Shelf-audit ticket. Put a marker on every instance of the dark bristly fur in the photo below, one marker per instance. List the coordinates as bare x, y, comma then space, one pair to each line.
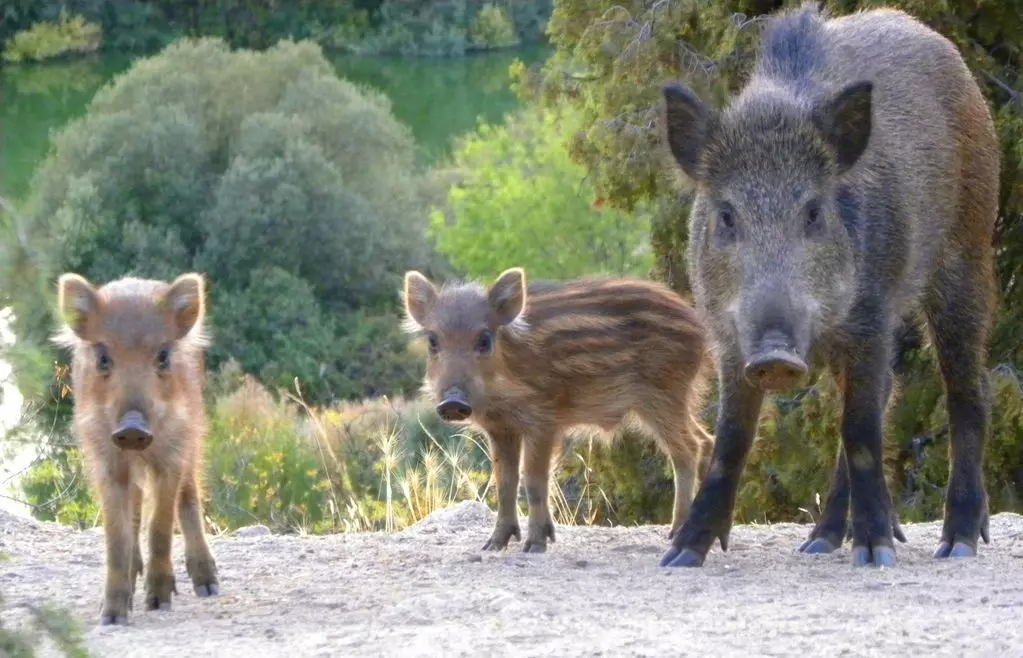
596, 352
851, 186
138, 364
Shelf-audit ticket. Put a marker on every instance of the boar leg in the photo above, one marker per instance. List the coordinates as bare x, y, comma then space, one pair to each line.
958, 314
199, 562
160, 577
710, 515
866, 369
833, 528
116, 494
506, 450
536, 459
136, 511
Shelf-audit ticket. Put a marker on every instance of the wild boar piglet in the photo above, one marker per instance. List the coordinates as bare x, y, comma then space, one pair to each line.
527, 363
137, 376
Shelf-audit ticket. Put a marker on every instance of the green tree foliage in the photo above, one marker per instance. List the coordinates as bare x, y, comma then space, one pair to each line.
492, 29
612, 58
519, 200
45, 40
145, 25
408, 27
293, 191
446, 28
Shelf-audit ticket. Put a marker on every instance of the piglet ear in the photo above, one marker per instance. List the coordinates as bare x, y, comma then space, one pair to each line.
420, 295
78, 302
186, 302
507, 297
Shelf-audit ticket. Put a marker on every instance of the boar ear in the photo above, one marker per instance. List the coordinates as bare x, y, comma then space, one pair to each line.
688, 122
186, 301
845, 122
420, 296
77, 301
507, 297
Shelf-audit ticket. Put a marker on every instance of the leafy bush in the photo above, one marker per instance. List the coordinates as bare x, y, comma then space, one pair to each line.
58, 490
56, 624
70, 35
492, 29
294, 191
518, 199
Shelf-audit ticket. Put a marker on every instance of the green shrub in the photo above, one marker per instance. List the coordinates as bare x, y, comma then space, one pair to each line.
295, 192
56, 624
58, 490
71, 35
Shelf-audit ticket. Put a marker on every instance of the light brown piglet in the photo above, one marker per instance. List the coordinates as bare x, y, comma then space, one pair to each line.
137, 378
526, 367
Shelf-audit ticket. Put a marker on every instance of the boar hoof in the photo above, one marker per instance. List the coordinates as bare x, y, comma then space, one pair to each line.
956, 550
502, 534
881, 556
818, 545
534, 547
686, 557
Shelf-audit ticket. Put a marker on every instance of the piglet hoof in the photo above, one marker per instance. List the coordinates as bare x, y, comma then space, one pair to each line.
686, 557
211, 589
113, 619
956, 550
159, 589
502, 534
204, 576
880, 556
820, 545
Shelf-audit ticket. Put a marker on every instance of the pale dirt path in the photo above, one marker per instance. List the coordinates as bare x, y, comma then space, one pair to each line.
598, 591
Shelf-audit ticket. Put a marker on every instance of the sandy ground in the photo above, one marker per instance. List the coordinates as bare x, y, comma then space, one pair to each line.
597, 592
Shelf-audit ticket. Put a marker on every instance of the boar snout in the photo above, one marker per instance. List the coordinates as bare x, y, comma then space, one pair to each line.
132, 432
455, 406
774, 365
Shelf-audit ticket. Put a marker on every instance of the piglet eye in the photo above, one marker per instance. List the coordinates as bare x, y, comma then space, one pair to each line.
103, 362
163, 359
434, 343
486, 342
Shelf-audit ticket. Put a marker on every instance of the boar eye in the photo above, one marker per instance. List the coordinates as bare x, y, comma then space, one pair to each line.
812, 217
724, 227
486, 342
103, 361
727, 218
163, 361
434, 344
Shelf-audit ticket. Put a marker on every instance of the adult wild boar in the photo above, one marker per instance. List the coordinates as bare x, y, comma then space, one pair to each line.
851, 183
526, 367
137, 377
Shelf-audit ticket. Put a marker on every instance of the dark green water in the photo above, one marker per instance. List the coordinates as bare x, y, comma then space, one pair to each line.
437, 99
